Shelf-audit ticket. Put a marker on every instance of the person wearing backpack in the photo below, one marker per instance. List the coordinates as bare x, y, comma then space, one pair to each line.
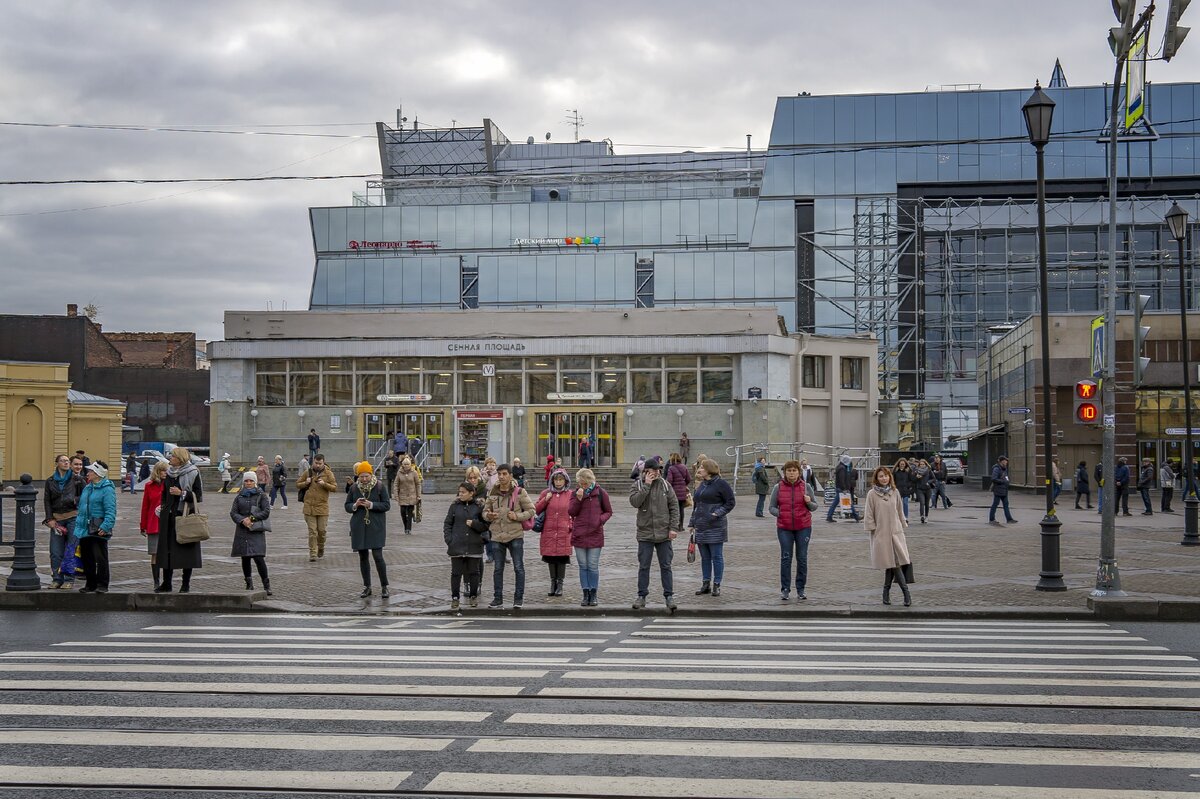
509, 512
555, 542
226, 478
762, 485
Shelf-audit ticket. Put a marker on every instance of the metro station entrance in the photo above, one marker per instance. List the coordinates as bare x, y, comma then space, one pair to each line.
428, 427
559, 433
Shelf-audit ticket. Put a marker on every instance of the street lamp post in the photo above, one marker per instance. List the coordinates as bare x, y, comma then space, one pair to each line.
1177, 219
1039, 111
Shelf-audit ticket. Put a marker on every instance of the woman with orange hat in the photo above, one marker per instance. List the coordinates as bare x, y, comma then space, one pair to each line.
368, 504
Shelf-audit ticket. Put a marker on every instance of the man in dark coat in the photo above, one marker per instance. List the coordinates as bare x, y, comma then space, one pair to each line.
1000, 491
846, 480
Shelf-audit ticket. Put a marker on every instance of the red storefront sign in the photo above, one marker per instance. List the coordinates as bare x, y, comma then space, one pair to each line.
489, 415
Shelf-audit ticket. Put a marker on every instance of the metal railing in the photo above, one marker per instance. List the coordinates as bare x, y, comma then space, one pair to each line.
820, 456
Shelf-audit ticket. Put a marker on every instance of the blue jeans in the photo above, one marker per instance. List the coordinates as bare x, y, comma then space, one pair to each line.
58, 546
1145, 492
589, 567
515, 549
762, 501
790, 540
281, 491
712, 561
646, 552
904, 502
1055, 490
996, 501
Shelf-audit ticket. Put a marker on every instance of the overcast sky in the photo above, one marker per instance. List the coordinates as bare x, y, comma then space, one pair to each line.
690, 74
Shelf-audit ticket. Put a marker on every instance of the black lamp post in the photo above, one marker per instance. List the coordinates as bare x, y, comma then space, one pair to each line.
1039, 111
1177, 219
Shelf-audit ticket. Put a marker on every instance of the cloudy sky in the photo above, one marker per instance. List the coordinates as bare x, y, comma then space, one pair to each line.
690, 74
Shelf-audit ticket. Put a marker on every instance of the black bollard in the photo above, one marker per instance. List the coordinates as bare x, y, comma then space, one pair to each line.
24, 576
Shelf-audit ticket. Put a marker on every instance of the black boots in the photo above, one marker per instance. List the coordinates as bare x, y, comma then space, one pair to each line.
249, 584
157, 572
903, 585
716, 589
887, 586
706, 588
589, 598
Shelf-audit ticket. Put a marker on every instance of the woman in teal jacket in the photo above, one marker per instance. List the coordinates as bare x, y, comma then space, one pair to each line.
94, 526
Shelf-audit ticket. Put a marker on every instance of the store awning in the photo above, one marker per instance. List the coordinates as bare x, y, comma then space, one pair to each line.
986, 431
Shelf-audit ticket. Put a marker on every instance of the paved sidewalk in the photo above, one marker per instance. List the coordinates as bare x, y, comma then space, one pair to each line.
960, 561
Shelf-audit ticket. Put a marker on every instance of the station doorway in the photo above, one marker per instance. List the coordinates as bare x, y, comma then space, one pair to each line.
425, 426
559, 433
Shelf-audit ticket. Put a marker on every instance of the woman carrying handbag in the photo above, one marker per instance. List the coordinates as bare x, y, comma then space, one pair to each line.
250, 513
179, 496
885, 522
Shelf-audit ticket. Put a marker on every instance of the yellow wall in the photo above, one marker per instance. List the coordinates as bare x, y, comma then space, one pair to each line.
37, 423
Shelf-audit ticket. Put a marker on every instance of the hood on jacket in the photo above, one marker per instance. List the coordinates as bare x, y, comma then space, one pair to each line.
566, 485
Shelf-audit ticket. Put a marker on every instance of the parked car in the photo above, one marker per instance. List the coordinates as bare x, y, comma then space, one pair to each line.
954, 470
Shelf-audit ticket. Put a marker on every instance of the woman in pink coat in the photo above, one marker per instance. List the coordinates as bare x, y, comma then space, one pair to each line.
555, 545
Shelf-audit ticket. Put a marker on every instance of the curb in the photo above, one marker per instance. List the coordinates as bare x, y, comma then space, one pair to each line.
120, 601
1144, 609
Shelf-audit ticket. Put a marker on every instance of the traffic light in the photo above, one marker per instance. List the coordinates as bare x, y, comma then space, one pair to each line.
1118, 38
1174, 35
1140, 331
1087, 402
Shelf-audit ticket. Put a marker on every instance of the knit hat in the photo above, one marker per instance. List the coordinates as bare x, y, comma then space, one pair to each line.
98, 470
363, 467
250, 475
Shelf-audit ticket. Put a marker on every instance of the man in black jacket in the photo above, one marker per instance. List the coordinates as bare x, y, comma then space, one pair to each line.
1145, 483
846, 479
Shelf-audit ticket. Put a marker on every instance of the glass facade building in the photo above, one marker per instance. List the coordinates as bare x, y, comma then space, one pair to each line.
908, 216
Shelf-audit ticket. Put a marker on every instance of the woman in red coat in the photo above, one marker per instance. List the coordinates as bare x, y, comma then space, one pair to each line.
151, 500
555, 544
549, 467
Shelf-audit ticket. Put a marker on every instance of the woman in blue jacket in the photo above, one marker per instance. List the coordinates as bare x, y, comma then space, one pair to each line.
94, 526
712, 501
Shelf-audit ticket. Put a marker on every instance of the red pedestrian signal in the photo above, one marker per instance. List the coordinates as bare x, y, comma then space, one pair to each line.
1087, 411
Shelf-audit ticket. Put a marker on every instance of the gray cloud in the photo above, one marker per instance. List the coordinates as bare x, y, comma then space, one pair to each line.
688, 74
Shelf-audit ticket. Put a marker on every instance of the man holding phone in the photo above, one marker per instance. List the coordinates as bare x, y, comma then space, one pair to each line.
658, 524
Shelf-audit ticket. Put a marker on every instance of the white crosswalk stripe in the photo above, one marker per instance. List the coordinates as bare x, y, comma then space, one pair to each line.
566, 706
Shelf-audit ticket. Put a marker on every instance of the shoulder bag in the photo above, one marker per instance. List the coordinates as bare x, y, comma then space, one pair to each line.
191, 528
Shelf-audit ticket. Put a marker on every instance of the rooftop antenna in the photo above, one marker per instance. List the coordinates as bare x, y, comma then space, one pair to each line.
575, 120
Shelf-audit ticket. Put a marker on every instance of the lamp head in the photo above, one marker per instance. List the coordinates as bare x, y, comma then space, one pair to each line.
1039, 112
1177, 220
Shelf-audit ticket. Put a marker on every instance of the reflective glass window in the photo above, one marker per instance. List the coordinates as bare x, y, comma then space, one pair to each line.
304, 389
574, 363
506, 364
576, 381
338, 390
404, 383
362, 365
403, 365
370, 387
611, 383
276, 365
339, 365
716, 386
645, 362
813, 371
716, 361
647, 387
681, 361
472, 389
305, 365
612, 362
440, 386
507, 389
271, 390
852, 373
539, 386
681, 386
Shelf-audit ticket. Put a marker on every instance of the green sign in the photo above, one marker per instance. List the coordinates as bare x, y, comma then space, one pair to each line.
718, 433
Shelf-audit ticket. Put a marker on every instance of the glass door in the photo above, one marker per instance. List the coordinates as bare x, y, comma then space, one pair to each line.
605, 442
433, 441
375, 436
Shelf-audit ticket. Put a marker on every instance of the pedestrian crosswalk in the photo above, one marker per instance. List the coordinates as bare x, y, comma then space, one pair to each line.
604, 707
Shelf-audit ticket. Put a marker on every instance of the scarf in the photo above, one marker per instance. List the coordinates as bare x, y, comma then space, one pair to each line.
61, 481
366, 490
249, 492
883, 491
182, 470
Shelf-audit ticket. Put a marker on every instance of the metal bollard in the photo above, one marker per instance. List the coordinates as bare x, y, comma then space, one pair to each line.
24, 576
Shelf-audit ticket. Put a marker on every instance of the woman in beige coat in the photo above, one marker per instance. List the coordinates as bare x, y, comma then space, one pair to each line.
885, 522
407, 492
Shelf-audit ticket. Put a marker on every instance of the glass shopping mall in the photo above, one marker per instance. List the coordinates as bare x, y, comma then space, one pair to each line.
905, 218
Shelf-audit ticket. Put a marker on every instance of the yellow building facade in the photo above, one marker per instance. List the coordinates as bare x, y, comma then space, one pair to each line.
41, 417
